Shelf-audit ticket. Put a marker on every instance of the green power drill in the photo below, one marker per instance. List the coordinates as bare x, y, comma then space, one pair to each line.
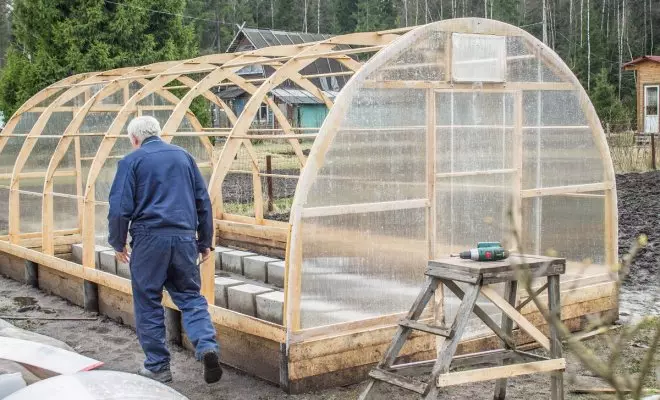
485, 251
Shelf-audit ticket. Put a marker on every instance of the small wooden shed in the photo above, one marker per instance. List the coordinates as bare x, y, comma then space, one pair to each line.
648, 91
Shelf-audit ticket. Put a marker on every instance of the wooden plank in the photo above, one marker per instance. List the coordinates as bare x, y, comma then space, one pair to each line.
250, 220
398, 380
476, 173
531, 297
257, 230
402, 333
507, 371
483, 315
569, 189
510, 295
510, 311
448, 349
364, 208
557, 378
434, 330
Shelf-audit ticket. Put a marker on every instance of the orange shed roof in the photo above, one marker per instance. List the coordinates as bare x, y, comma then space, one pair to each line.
641, 59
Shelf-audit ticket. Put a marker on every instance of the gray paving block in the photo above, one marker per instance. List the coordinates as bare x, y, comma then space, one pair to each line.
270, 307
218, 256
232, 261
123, 270
242, 298
276, 273
221, 286
256, 267
108, 261
76, 252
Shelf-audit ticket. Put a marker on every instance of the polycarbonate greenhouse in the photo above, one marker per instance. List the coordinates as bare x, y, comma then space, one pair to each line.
446, 134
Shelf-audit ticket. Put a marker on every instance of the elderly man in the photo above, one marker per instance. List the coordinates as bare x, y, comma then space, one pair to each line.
161, 193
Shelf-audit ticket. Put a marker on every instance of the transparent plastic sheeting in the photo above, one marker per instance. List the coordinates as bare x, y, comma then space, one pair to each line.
97, 385
367, 262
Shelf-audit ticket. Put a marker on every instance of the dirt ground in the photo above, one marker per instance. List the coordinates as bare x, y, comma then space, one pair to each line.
117, 346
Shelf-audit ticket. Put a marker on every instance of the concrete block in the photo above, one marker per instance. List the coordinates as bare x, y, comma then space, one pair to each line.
76, 251
218, 256
221, 286
256, 267
232, 261
242, 298
270, 307
108, 261
276, 273
123, 270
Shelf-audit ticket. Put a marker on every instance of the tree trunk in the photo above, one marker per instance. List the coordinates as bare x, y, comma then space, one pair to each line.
405, 10
602, 17
318, 16
272, 15
581, 23
545, 22
416, 12
651, 22
619, 38
305, 16
588, 46
426, 11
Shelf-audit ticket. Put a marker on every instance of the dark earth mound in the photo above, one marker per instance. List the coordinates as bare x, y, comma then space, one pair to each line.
639, 213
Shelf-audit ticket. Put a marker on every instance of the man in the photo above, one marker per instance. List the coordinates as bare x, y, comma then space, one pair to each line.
161, 193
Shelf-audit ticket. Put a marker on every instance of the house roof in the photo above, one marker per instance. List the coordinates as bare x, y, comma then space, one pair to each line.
260, 38
642, 59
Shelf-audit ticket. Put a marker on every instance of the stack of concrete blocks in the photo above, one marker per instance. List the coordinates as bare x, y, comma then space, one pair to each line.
105, 260
250, 298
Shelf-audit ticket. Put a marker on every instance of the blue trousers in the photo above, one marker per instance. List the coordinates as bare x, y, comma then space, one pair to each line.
159, 261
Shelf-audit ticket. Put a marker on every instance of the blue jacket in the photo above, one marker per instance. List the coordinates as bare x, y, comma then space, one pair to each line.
158, 189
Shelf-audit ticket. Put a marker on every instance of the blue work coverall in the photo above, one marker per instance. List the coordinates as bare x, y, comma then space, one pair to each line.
160, 192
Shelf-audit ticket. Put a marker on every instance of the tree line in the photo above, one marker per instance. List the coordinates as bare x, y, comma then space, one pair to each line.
42, 41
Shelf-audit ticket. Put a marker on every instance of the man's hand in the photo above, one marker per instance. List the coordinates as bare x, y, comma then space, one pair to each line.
205, 255
124, 256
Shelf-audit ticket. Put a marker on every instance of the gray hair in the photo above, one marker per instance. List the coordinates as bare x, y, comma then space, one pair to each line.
143, 127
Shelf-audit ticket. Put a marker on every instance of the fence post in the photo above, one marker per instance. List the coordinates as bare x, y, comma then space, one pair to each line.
653, 151
269, 182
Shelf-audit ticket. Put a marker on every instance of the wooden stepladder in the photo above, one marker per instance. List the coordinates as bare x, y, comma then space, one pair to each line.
511, 362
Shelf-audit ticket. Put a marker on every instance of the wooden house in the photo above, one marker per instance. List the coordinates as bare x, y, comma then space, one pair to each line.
648, 91
301, 107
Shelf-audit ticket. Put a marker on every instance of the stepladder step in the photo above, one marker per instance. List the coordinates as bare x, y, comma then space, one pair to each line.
398, 380
432, 329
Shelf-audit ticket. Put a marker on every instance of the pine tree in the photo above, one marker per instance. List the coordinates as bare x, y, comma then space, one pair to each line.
57, 38
608, 106
5, 30
286, 17
345, 16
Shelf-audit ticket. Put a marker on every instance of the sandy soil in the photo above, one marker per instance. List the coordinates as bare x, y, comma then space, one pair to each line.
117, 346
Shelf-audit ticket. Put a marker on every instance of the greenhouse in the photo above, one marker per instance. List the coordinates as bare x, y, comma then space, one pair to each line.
446, 134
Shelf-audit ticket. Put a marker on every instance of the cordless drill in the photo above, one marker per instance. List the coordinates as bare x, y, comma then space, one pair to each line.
485, 251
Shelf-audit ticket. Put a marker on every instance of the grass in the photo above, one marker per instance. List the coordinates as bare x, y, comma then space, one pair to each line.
631, 357
628, 155
247, 209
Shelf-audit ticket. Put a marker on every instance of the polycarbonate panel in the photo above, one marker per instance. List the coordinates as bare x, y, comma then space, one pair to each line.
154, 99
41, 153
478, 58
471, 209
4, 207
105, 178
523, 66
420, 62
570, 226
116, 98
97, 122
9, 153
359, 266
30, 211
65, 213
101, 226
26, 122
194, 146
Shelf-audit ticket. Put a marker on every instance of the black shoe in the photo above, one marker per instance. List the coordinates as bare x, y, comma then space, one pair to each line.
212, 368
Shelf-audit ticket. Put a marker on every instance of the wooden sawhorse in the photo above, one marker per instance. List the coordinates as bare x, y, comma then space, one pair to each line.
477, 276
